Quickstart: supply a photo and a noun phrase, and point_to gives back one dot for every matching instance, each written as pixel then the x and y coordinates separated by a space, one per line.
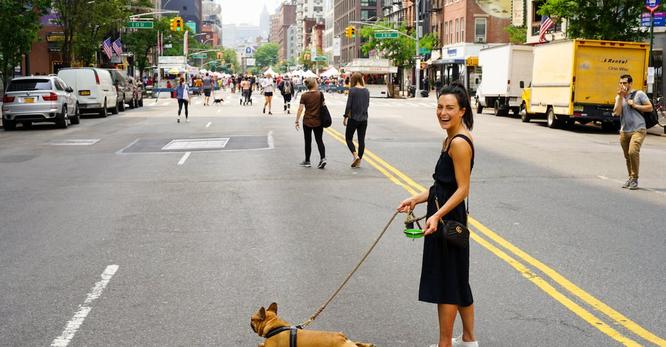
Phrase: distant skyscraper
pixel 264 22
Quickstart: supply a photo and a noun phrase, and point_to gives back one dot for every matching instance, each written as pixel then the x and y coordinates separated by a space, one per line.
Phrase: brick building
pixel 345 12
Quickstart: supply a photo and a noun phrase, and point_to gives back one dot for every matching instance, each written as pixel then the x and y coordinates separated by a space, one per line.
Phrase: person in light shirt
pixel 269 87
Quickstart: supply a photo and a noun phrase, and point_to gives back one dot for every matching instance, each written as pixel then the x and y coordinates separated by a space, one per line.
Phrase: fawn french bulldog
pixel 277 332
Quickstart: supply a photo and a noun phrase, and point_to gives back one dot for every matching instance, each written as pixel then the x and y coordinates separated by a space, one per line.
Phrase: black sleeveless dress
pixel 445 268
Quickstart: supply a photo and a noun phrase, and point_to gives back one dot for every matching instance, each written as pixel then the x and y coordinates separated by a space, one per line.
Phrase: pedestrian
pixel 207 85
pixel 356 116
pixel 268 87
pixel 246 90
pixel 311 102
pixel 445 268
pixel 183 96
pixel 287 91
pixel 629 103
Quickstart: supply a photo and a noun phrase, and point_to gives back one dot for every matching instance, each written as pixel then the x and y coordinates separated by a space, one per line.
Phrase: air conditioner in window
pixel 479 39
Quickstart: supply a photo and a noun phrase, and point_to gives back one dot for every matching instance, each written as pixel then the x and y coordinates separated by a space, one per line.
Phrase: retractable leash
pixel 314 316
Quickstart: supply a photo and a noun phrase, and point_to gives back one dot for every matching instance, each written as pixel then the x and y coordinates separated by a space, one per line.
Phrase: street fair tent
pixel 269 72
pixel 331 72
pixel 308 74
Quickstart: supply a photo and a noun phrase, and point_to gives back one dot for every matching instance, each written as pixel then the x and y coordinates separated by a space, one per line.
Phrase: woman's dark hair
pixel 460 92
pixel 357 80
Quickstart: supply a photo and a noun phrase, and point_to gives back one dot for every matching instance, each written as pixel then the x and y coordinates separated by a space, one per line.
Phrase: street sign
pixel 250 61
pixel 386 34
pixel 652 3
pixel 140 25
pixel 659 19
pixel 320 58
pixel 199 56
pixel 423 51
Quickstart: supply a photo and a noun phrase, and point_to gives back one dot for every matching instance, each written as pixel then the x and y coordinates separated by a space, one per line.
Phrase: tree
pixel 19 24
pixel 231 58
pixel 600 20
pixel 517 34
pixel 266 55
pixel 400 50
pixel 142 41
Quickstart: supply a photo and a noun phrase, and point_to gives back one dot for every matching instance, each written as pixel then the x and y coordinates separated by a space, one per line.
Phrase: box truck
pixel 577 80
pixel 504 68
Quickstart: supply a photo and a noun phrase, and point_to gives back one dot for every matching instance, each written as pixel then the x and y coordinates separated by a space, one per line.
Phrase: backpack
pixel 651 118
pixel 286 87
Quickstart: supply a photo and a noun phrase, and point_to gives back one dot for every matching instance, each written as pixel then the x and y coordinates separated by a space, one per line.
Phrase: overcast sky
pixel 245 11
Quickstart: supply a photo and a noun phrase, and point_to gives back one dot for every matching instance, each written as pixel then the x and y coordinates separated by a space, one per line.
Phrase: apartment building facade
pixel 350 12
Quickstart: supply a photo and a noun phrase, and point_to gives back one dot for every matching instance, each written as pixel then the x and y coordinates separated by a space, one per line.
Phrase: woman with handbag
pixel 311 102
pixel 356 116
pixel 445 268
pixel 183 96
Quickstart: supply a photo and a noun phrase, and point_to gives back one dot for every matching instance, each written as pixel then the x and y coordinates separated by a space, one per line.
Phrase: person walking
pixel 356 116
pixel 269 87
pixel 629 103
pixel 247 91
pixel 207 85
pixel 183 96
pixel 445 267
pixel 287 91
pixel 311 102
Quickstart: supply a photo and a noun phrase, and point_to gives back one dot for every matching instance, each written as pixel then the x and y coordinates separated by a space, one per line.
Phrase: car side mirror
pixel 69 90
pixel 522 84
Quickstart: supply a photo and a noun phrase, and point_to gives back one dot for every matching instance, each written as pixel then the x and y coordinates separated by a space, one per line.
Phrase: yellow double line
pixel 402 180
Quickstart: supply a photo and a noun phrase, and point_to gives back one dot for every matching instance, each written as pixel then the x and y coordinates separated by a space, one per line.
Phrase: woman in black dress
pixel 445 269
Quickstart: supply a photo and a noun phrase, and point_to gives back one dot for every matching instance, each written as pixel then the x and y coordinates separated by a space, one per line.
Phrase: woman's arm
pixel 349 104
pixel 411 202
pixel 301 108
pixel 461 153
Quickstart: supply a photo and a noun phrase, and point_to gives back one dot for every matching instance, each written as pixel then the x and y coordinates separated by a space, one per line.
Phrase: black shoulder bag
pixel 455 233
pixel 651 118
pixel 324 115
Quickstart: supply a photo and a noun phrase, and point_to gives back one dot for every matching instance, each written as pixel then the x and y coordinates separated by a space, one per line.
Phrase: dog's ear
pixel 262 313
pixel 273 308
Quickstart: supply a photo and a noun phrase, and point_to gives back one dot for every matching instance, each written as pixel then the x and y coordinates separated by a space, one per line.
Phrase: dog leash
pixel 314 316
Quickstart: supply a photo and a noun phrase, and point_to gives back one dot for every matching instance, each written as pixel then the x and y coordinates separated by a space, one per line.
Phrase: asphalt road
pixel 121 242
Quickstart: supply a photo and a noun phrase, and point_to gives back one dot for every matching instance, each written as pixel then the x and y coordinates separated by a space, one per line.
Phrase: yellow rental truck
pixel 577 80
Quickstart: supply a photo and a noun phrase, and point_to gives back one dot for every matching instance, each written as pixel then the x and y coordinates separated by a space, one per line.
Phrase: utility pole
pixel 417 69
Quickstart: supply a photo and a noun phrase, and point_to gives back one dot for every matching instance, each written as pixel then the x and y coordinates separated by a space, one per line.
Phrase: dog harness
pixel 292 335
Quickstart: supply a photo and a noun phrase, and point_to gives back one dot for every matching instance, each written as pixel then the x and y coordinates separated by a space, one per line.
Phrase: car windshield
pixel 29 84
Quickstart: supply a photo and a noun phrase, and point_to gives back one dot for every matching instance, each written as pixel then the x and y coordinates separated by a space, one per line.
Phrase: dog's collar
pixel 292 335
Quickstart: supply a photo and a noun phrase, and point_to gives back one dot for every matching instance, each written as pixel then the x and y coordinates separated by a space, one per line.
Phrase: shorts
pixel 268 94
pixel 206 92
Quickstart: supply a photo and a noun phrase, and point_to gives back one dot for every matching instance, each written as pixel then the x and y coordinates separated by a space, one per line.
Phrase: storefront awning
pixel 448 61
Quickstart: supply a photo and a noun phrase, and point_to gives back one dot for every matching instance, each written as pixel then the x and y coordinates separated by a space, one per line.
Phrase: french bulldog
pixel 264 321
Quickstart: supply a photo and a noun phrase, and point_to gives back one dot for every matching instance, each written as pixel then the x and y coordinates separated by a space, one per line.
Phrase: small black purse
pixel 455 233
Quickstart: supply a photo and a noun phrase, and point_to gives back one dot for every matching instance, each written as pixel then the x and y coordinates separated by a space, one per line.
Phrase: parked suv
pixel 39 99
pixel 93 89
pixel 124 89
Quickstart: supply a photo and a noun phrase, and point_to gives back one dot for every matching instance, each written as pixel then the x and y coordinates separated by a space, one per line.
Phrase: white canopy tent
pixel 331 72
pixel 269 72
pixel 308 74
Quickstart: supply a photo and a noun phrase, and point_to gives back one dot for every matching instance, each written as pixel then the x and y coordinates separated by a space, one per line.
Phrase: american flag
pixel 117 47
pixel 106 45
pixel 546 24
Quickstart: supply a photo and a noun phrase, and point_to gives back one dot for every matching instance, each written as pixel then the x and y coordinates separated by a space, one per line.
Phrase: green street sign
pixel 386 35
pixel 140 25
pixel 423 51
pixel 320 58
pixel 199 56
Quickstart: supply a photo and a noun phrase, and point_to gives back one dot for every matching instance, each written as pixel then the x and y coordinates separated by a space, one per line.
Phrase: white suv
pixel 38 99
pixel 93 88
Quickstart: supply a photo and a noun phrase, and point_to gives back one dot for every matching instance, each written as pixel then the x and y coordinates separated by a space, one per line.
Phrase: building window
pixel 367 3
pixel 480 27
pixel 457 30
pixel 462 29
pixel 450 31
pixel 367 14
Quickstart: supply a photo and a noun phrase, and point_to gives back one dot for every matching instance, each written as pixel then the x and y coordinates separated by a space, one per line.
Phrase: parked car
pixel 124 89
pixel 93 89
pixel 39 99
pixel 137 92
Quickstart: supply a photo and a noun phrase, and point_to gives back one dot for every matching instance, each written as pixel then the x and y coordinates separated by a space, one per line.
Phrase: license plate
pixel 28 100
pixel 579 108
pixel 84 92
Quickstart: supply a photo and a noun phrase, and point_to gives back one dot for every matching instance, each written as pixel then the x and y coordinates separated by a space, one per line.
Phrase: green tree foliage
pixel 142 41
pixel 517 35
pixel 400 50
pixel 19 24
pixel 266 55
pixel 231 59
pixel 601 20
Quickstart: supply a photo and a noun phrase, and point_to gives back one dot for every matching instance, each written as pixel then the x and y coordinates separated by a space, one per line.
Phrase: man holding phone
pixel 629 103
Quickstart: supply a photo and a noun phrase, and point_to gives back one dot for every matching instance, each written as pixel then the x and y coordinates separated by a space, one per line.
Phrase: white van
pixel 93 88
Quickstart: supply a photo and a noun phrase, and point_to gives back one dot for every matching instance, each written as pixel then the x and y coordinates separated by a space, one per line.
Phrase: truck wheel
pixel 610 127
pixel 8 125
pixel 553 122
pixel 479 108
pixel 516 111
pixel 524 117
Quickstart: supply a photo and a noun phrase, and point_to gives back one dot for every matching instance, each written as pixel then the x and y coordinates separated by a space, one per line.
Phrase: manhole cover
pixel 73 142
pixel 196 144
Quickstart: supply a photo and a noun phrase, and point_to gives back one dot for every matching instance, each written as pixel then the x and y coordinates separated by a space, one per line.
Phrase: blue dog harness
pixel 292 335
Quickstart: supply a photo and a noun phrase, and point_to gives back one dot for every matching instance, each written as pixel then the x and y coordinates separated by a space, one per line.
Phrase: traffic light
pixel 353 31
pixel 350 32
pixel 219 55
pixel 177 24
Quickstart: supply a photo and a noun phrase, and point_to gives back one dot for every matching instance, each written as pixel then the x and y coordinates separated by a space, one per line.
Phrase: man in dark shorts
pixel 207 86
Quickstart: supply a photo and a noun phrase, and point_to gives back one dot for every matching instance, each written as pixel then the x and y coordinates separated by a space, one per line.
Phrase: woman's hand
pixel 407 205
pixel 431 224
pixel 344 121
pixel 297 125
